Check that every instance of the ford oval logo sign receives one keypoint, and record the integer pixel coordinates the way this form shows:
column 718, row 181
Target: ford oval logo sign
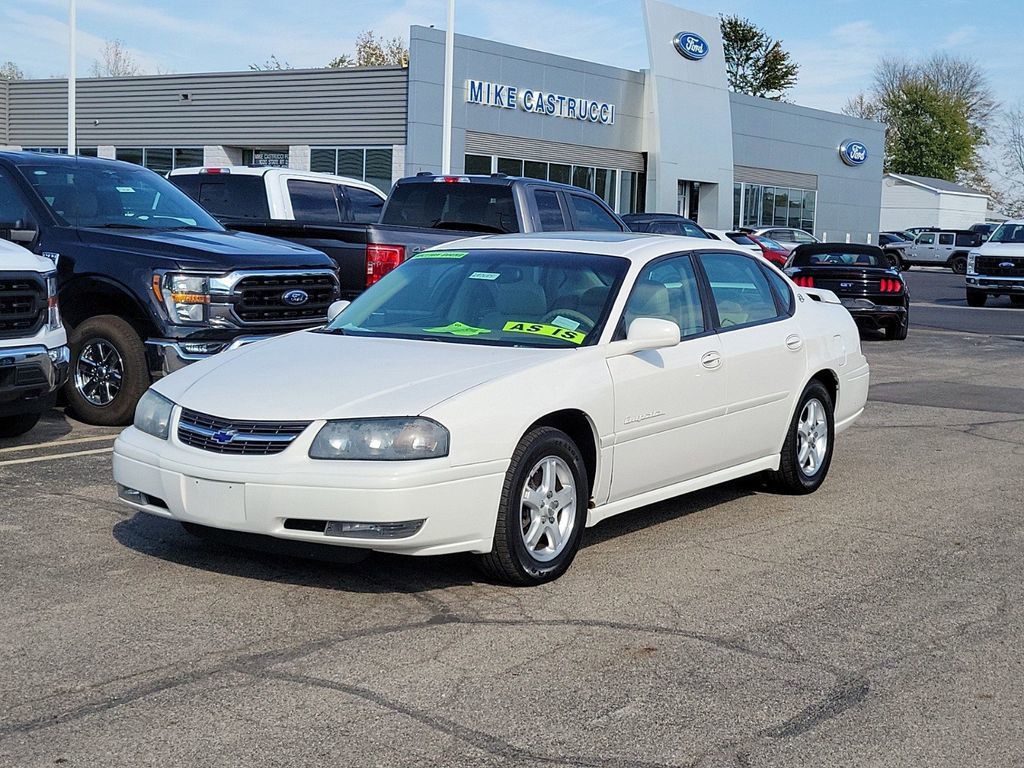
column 295, row 298
column 853, row 152
column 691, row 45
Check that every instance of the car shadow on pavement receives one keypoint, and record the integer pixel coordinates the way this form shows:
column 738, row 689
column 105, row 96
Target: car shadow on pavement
column 52, row 426
column 321, row 566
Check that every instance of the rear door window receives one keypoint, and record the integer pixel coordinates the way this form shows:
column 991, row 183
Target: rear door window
column 741, row 292
column 314, row 202
column 362, row 206
column 591, row 217
column 946, row 238
column 549, row 210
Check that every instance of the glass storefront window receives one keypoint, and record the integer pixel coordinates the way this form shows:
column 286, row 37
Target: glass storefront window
column 534, row 170
column 129, row 154
column 755, row 205
column 188, row 157
column 350, row 162
column 371, row 164
column 510, row 166
column 583, row 176
column 796, row 204
column 378, row 168
column 807, row 221
column 604, row 185
column 560, row 173
column 323, row 160
column 781, row 207
column 767, row 206
column 478, row 165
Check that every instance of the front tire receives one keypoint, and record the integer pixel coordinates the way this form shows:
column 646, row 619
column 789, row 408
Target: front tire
column 108, row 371
column 13, row 426
column 807, row 451
column 542, row 512
column 976, row 298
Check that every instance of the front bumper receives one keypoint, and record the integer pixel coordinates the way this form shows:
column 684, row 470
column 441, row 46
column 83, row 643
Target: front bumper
column 258, row 494
column 30, row 377
column 169, row 355
column 1005, row 286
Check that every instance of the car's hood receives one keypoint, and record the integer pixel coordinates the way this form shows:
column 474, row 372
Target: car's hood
column 208, row 249
column 14, row 258
column 1001, row 249
column 306, row 376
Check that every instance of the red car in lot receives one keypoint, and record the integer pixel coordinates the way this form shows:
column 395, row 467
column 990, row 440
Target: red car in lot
column 773, row 251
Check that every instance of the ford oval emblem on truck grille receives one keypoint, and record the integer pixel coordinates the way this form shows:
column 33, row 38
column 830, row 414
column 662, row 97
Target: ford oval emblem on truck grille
column 295, row 297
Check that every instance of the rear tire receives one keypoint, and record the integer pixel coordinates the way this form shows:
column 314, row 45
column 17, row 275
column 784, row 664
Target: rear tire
column 13, row 426
column 1017, row 301
column 109, row 372
column 959, row 265
column 804, row 461
column 899, row 331
column 976, row 298
column 895, row 262
column 542, row 512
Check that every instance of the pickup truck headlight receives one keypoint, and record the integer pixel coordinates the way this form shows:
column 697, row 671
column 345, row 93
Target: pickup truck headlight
column 153, row 414
column 185, row 296
column 52, row 310
column 971, row 258
column 393, row 439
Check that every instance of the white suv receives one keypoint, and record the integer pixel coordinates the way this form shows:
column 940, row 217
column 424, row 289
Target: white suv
column 33, row 344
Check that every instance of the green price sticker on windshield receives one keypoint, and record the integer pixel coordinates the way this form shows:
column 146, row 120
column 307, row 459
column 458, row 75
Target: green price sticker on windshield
column 458, row 329
column 441, row 254
column 543, row 329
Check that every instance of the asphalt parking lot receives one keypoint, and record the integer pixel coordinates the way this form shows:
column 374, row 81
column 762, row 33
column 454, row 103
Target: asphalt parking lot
column 877, row 622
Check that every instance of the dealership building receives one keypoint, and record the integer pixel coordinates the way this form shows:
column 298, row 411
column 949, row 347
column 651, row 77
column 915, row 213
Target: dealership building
column 671, row 138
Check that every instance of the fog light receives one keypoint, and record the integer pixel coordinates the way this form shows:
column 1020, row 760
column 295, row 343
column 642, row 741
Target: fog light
column 373, row 530
column 131, row 495
column 59, row 355
column 202, row 348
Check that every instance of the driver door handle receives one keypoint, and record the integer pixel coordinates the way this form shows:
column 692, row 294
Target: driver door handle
column 711, row 360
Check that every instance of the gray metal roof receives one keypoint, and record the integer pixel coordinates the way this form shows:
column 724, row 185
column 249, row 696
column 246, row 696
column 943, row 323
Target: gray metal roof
column 939, row 185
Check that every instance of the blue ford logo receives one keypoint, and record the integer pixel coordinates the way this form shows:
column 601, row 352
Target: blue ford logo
column 1006, row 265
column 295, row 298
column 853, row 152
column 691, row 45
column 222, row 437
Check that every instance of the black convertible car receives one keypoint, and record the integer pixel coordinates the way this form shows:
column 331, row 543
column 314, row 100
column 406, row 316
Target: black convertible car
column 862, row 277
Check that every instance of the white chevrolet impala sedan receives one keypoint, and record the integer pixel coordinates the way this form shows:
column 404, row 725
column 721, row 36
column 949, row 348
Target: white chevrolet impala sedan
column 502, row 394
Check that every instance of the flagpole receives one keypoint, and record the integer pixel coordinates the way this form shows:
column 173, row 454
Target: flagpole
column 72, row 144
column 449, row 85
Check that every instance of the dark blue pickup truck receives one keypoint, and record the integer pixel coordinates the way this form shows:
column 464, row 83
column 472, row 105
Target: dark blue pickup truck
column 148, row 281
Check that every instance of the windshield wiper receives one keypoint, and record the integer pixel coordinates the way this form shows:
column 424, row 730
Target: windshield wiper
column 117, row 225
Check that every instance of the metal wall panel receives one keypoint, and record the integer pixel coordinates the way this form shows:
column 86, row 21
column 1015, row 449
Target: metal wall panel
column 551, row 151
column 773, row 178
column 280, row 107
column 4, row 87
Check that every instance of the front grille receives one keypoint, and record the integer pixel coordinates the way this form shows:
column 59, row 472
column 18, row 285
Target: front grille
column 989, row 266
column 22, row 305
column 260, row 298
column 240, row 438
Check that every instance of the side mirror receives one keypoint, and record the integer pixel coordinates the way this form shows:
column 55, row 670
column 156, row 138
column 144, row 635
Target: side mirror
column 336, row 309
column 649, row 333
column 17, row 231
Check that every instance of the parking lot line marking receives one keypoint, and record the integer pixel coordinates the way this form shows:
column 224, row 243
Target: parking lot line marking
column 957, row 306
column 35, row 446
column 34, row 459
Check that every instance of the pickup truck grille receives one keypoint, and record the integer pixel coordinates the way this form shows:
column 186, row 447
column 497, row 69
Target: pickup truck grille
column 22, row 305
column 989, row 266
column 239, row 438
column 261, row 299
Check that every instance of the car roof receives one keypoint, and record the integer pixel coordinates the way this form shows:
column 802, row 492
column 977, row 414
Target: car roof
column 61, row 161
column 638, row 247
column 257, row 170
column 638, row 217
column 813, row 248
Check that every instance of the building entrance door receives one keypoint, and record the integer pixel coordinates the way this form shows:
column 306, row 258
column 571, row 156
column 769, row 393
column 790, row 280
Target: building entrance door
column 688, row 199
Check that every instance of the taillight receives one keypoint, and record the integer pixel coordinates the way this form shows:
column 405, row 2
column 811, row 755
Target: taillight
column 804, row 281
column 381, row 259
column 452, row 180
column 890, row 286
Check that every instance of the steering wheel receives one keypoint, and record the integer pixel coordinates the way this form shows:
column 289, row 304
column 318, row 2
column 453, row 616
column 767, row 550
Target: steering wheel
column 570, row 314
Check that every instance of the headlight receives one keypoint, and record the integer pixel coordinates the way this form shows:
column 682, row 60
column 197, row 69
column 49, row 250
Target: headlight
column 153, row 414
column 52, row 311
column 184, row 296
column 394, row 439
column 971, row 258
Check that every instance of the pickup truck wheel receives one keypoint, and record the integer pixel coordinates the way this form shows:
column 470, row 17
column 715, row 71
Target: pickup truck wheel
column 959, row 265
column 12, row 426
column 108, row 371
column 807, row 452
column 1017, row 301
column 976, row 298
column 542, row 512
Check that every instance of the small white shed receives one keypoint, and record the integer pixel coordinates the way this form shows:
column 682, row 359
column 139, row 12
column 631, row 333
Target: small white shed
column 919, row 201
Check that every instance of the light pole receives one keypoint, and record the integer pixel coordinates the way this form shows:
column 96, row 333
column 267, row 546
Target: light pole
column 72, row 148
column 449, row 85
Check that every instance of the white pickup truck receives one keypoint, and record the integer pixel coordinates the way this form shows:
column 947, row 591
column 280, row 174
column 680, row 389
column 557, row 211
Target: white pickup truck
column 33, row 344
column 996, row 268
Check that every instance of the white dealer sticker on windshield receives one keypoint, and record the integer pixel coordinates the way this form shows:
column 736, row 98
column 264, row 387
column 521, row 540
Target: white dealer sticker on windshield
column 565, row 322
column 125, row 189
column 485, row 276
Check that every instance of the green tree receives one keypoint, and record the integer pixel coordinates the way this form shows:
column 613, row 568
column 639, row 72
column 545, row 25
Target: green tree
column 755, row 63
column 373, row 51
column 11, row 71
column 929, row 134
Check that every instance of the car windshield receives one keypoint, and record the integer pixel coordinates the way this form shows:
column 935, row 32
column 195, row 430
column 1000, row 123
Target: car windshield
column 498, row 297
column 767, row 242
column 740, row 239
column 839, row 258
column 116, row 197
column 1008, row 233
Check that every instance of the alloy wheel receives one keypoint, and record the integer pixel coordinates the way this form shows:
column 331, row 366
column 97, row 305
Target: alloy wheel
column 99, row 372
column 548, row 508
column 812, row 437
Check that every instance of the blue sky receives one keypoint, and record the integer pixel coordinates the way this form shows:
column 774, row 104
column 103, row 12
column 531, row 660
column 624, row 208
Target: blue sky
column 836, row 42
